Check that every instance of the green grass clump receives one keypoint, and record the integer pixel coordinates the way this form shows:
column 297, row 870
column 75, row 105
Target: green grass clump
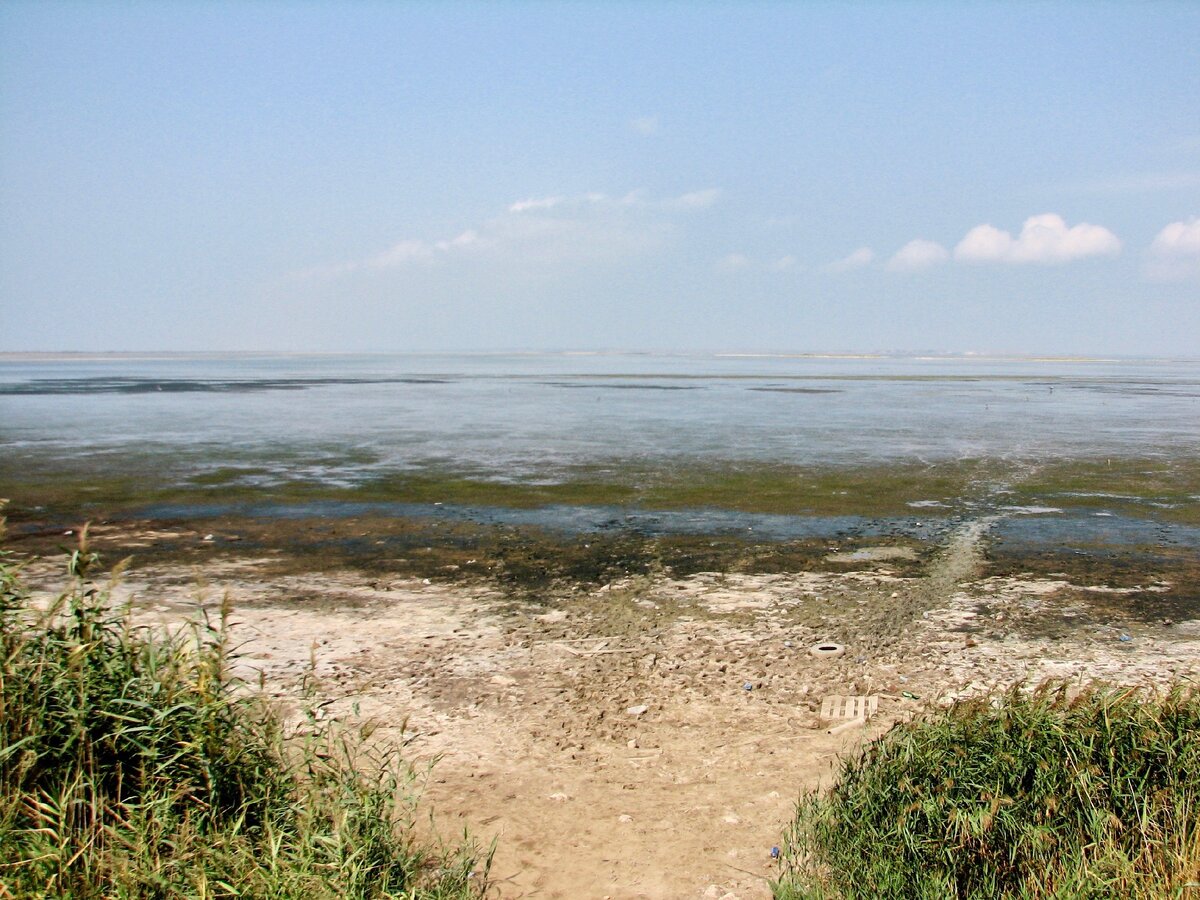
column 132, row 765
column 1042, row 795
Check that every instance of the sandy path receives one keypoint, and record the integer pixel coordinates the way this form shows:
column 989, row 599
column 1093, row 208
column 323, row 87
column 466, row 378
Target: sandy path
column 535, row 713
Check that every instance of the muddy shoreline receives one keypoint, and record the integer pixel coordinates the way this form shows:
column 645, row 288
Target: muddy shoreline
column 621, row 727
column 628, row 708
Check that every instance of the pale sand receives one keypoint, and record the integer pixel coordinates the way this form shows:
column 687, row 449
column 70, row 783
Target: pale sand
column 525, row 708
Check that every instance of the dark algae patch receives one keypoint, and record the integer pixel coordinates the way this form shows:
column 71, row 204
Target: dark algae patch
column 1118, row 522
column 527, row 560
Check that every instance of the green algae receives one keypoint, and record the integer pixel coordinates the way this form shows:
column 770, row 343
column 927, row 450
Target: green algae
column 1166, row 489
column 870, row 490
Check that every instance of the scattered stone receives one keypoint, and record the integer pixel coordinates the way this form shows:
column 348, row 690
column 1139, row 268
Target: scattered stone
column 638, row 710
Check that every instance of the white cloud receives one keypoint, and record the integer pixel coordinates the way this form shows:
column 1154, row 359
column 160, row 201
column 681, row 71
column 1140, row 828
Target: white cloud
column 1043, row 239
column 644, row 124
column 698, row 199
column 863, row 256
column 918, row 254
column 1174, row 254
column 543, row 232
column 783, row 263
column 402, row 253
column 535, row 203
column 466, row 239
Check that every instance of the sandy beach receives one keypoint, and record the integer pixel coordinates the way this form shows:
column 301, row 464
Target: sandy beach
column 647, row 737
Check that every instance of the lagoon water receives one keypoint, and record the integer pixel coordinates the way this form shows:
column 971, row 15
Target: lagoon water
column 342, row 418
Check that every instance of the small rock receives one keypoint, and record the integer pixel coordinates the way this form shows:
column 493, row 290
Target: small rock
column 638, row 710
column 624, row 819
column 559, row 797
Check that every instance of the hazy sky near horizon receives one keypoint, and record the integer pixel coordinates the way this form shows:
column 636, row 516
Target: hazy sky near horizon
column 979, row 177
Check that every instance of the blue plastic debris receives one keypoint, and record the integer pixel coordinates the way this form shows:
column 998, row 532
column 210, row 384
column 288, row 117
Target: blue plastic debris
column 747, row 686
column 1126, row 638
column 774, row 853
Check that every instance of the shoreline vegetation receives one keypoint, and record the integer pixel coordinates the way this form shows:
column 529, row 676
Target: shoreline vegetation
column 134, row 765
column 1060, row 792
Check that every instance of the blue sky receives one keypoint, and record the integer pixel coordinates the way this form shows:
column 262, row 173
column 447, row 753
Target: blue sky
column 660, row 176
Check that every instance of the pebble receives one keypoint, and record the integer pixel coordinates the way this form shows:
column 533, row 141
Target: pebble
column 638, row 710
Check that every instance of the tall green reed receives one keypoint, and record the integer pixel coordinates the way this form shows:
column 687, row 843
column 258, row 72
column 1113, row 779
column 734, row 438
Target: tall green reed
column 133, row 765
column 1050, row 793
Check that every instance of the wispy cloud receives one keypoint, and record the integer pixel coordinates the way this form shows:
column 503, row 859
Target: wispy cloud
column 698, row 199
column 1043, row 239
column 861, row 257
column 535, row 203
column 542, row 232
column 917, row 255
column 1174, row 254
column 646, row 125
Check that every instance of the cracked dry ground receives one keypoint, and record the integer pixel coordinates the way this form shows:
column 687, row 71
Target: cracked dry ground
column 527, row 709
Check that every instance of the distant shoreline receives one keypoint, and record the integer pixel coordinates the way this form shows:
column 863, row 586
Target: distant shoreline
column 970, row 357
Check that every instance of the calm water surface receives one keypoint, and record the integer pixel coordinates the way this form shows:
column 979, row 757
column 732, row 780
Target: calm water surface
column 347, row 417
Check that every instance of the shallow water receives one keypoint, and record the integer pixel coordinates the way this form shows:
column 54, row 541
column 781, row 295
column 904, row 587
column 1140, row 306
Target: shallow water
column 341, row 419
